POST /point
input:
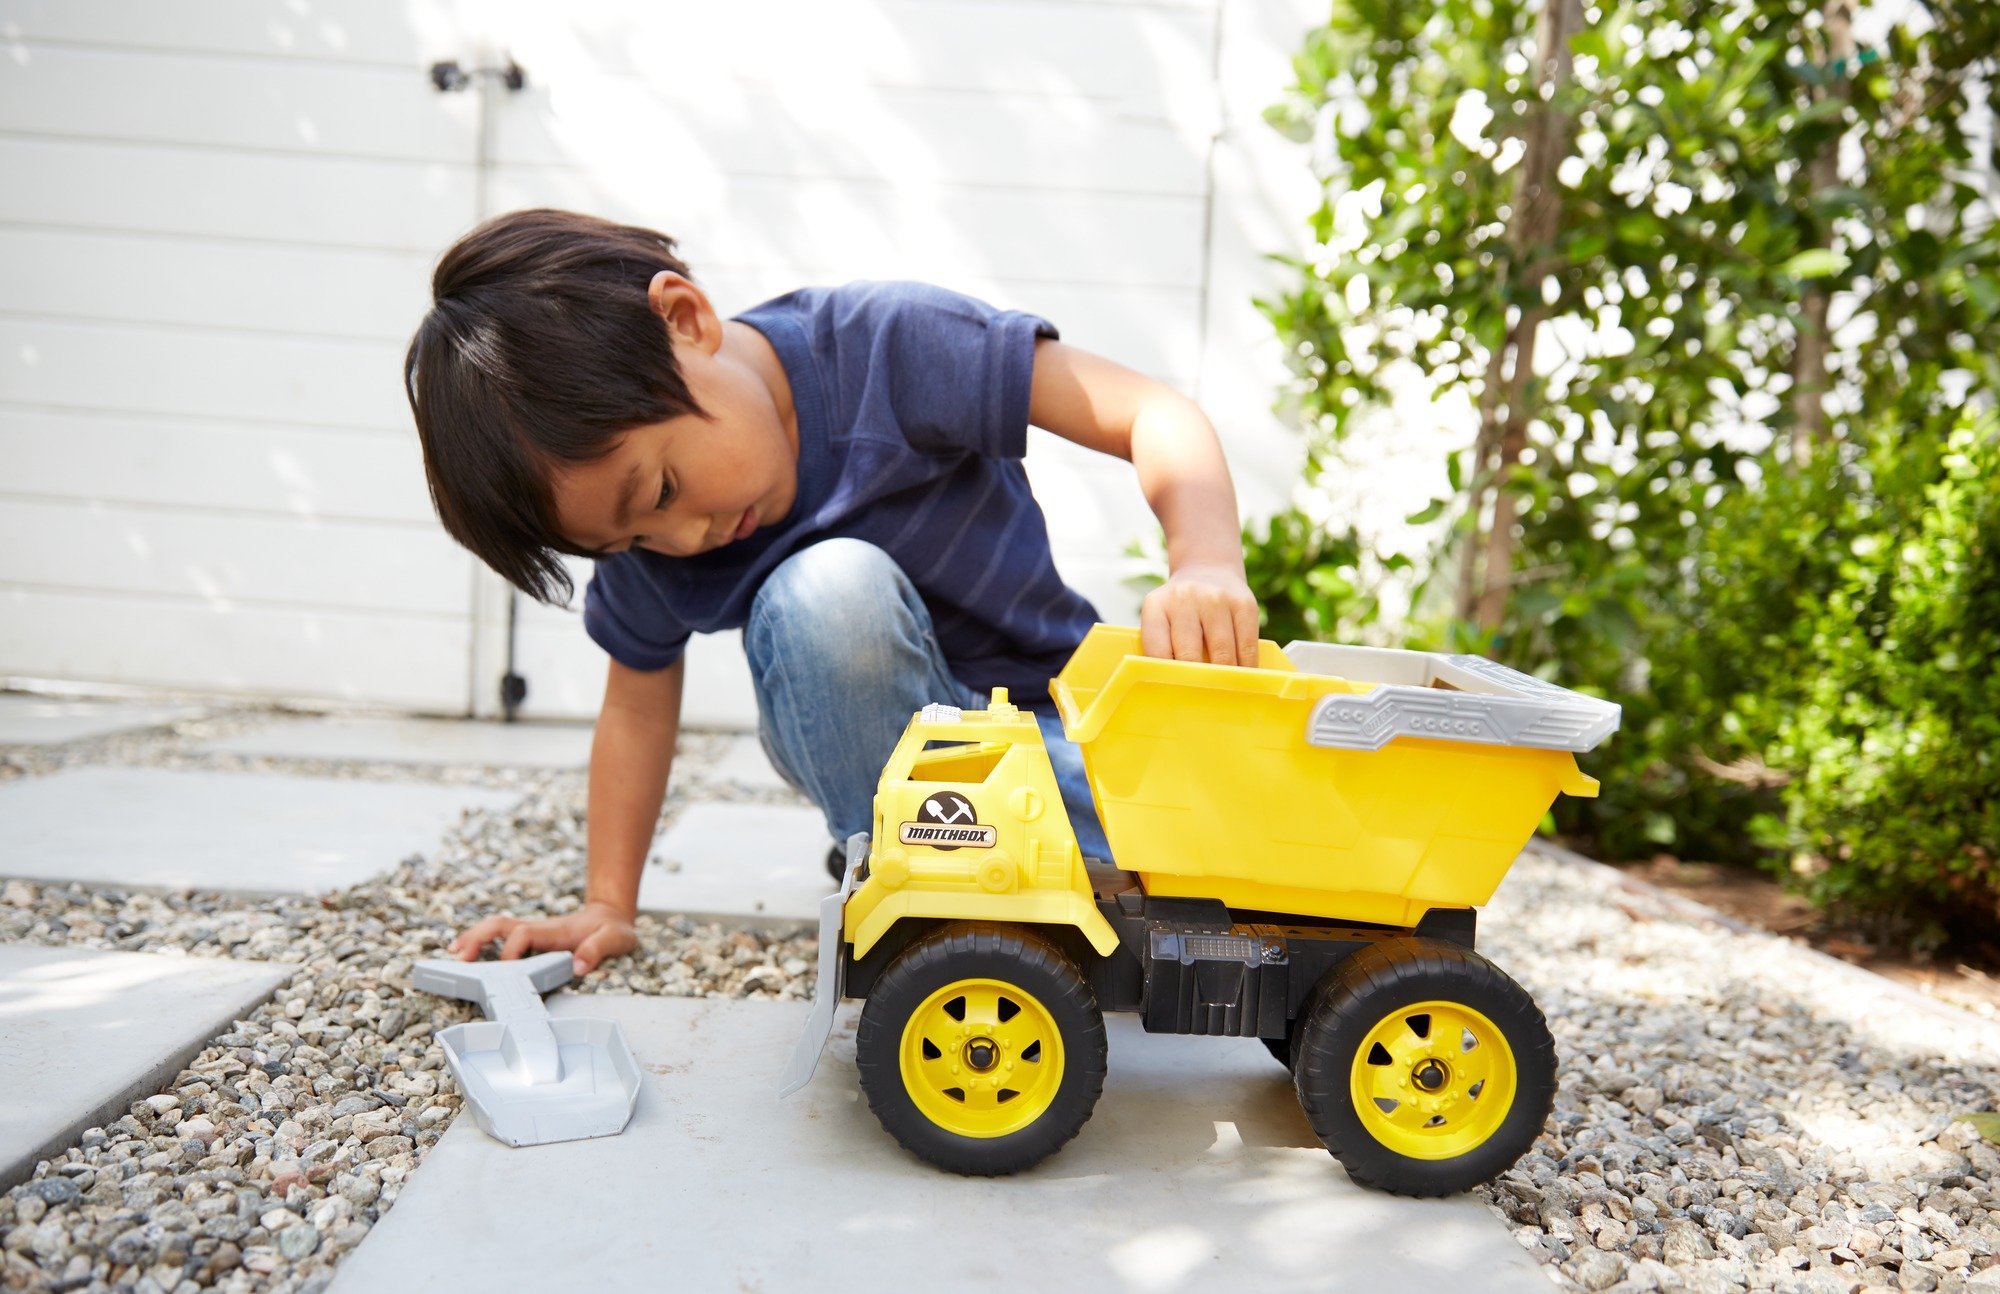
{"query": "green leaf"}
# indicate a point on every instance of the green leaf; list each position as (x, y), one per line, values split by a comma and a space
(1637, 229)
(1818, 263)
(1985, 1123)
(1840, 200)
(1983, 290)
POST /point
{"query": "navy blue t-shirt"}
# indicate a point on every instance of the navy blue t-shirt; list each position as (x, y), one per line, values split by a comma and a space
(912, 405)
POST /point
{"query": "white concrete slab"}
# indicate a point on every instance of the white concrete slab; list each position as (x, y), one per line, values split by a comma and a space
(256, 833)
(416, 741)
(741, 862)
(84, 1034)
(1196, 1172)
(745, 764)
(47, 721)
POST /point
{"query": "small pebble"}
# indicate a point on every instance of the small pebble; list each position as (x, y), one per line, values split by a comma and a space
(55, 1190)
(299, 1241)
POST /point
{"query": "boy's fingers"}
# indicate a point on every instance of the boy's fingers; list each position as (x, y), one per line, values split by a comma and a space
(1154, 639)
(1184, 624)
(1246, 632)
(1219, 629)
(519, 940)
(1199, 624)
(589, 953)
(467, 945)
(603, 942)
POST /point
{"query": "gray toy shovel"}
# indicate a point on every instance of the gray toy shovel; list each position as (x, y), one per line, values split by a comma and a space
(530, 1079)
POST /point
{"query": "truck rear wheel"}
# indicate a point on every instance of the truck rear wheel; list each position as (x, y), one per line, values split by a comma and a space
(1423, 1067)
(981, 1049)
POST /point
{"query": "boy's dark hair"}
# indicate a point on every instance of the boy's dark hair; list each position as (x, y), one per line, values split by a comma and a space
(540, 349)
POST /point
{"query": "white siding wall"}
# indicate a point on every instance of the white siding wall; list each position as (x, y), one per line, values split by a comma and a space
(218, 219)
(214, 231)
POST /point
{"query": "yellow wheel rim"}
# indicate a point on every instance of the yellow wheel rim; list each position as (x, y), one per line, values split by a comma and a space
(1433, 1080)
(981, 1058)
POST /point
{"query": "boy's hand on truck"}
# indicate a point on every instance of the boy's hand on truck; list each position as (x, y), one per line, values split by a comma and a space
(593, 932)
(1204, 612)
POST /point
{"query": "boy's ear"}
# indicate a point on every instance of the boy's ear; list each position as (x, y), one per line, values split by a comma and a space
(685, 309)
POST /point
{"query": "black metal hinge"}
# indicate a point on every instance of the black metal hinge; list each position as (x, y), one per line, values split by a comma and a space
(449, 77)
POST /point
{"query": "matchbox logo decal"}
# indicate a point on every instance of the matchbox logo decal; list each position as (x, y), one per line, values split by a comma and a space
(947, 820)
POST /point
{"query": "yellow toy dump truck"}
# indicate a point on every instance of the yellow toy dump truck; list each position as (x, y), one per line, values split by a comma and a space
(1299, 850)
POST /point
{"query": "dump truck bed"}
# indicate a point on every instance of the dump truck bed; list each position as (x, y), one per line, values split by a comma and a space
(1357, 783)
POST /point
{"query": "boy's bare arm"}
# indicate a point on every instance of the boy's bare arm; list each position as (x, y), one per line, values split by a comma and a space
(631, 753)
(1205, 610)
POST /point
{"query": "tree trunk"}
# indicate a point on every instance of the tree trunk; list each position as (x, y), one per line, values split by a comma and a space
(1487, 557)
(1499, 566)
(1809, 380)
(1465, 598)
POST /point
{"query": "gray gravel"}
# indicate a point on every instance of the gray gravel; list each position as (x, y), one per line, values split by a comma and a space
(278, 1147)
(1735, 1111)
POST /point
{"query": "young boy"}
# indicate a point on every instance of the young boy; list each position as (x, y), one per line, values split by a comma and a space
(836, 472)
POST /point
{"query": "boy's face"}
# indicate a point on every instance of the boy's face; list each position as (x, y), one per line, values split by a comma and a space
(694, 483)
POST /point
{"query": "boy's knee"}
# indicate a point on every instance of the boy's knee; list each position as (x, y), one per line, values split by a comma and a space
(834, 579)
(843, 598)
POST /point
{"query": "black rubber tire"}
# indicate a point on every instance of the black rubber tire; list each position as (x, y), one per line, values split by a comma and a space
(1355, 996)
(1012, 954)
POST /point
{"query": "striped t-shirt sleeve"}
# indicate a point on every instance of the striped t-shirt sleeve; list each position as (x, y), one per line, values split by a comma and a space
(617, 584)
(962, 370)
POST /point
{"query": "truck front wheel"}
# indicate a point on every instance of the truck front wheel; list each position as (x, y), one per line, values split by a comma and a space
(981, 1049)
(1423, 1067)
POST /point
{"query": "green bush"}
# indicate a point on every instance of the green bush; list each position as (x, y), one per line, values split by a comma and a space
(1822, 684)
(1717, 652)
(1895, 738)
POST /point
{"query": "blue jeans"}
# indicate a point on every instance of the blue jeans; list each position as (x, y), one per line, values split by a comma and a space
(842, 653)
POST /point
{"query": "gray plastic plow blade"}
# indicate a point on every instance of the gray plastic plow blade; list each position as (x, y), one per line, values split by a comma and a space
(1450, 698)
(829, 988)
(529, 1079)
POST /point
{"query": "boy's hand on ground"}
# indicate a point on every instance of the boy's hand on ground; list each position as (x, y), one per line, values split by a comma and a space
(1202, 613)
(593, 932)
